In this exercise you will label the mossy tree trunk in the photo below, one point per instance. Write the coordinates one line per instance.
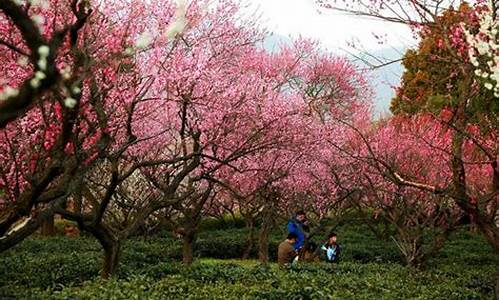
(250, 226)
(48, 228)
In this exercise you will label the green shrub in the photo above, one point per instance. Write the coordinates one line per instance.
(230, 244)
(226, 222)
(60, 225)
(61, 268)
(239, 281)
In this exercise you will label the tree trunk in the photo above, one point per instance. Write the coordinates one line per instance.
(112, 253)
(496, 286)
(187, 248)
(111, 245)
(264, 242)
(250, 237)
(487, 227)
(78, 207)
(268, 213)
(48, 228)
(490, 231)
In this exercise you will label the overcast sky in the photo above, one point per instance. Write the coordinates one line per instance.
(333, 29)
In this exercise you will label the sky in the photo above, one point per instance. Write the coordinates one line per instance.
(335, 31)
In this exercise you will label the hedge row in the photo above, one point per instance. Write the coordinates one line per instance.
(222, 280)
(43, 267)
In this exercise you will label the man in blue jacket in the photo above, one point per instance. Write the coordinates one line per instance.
(298, 225)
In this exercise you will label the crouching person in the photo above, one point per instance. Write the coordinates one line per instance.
(286, 251)
(330, 251)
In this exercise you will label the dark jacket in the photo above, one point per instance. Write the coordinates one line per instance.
(330, 252)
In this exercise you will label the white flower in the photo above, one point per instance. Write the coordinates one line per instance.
(39, 20)
(42, 63)
(177, 27)
(482, 47)
(44, 50)
(485, 44)
(76, 90)
(66, 72)
(180, 22)
(8, 92)
(19, 2)
(40, 75)
(181, 7)
(69, 102)
(474, 61)
(144, 40)
(35, 83)
(129, 51)
(40, 3)
(23, 61)
(488, 85)
(494, 75)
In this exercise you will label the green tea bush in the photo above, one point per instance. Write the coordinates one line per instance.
(226, 222)
(50, 262)
(232, 280)
(60, 225)
(61, 268)
(230, 243)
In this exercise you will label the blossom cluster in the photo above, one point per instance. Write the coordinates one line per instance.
(483, 48)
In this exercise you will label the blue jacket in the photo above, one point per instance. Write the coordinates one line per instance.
(297, 227)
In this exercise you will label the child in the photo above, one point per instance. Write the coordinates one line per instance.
(331, 250)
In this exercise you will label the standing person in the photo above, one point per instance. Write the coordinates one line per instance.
(331, 250)
(286, 252)
(298, 225)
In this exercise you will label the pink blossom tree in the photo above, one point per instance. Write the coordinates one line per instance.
(466, 117)
(38, 110)
(268, 184)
